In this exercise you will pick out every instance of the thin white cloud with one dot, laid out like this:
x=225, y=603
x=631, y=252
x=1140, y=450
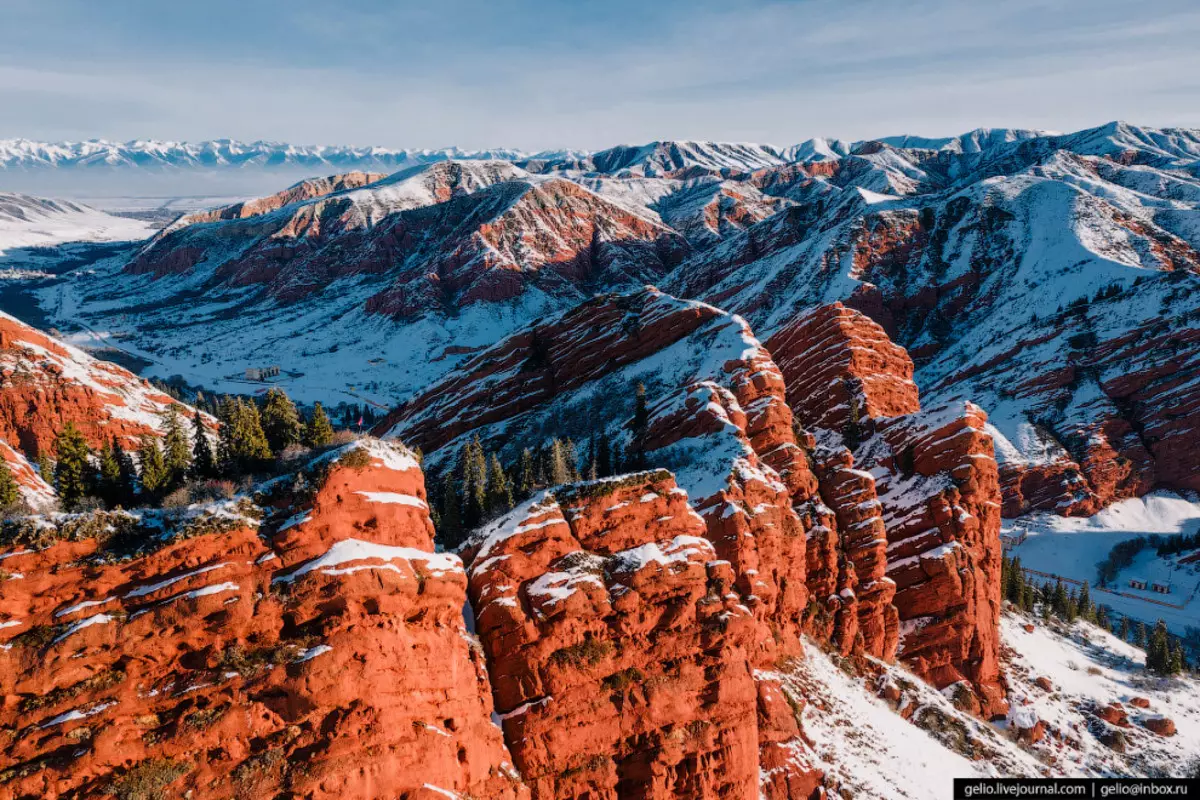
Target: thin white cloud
x=778, y=72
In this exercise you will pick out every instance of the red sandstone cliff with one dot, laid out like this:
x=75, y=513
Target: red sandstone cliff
x=926, y=485
x=44, y=384
x=622, y=656
x=322, y=653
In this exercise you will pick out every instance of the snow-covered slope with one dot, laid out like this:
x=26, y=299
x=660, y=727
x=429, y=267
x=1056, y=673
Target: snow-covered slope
x=1039, y=292
x=367, y=292
x=27, y=221
x=1033, y=272
x=912, y=745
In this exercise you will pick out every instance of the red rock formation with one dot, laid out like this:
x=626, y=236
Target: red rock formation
x=44, y=384
x=448, y=234
x=866, y=619
x=309, y=189
x=622, y=656
x=36, y=492
x=321, y=656
x=836, y=359
x=1163, y=726
x=939, y=487
x=927, y=480
x=717, y=418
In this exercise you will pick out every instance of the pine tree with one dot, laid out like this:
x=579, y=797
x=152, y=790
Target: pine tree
x=1158, y=650
x=280, y=421
x=1139, y=635
x=127, y=482
x=177, y=452
x=1085, y=604
x=571, y=455
x=109, y=487
x=639, y=429
x=74, y=477
x=204, y=463
x=45, y=467
x=558, y=470
x=618, y=459
x=1027, y=598
x=1059, y=603
x=154, y=474
x=243, y=446
x=10, y=492
x=499, y=490
x=1072, y=607
x=1102, y=617
x=451, y=512
x=1177, y=663
x=1123, y=629
x=317, y=431
x=604, y=464
x=473, y=465
x=525, y=471
x=591, y=468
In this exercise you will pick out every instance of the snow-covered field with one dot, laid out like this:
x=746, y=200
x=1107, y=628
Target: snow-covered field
x=1073, y=546
x=36, y=222
x=866, y=746
x=1088, y=666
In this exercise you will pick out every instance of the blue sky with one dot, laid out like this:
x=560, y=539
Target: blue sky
x=537, y=74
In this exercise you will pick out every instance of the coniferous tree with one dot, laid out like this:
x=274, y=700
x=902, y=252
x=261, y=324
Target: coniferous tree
x=74, y=477
x=109, y=487
x=127, y=481
x=45, y=467
x=204, y=462
x=280, y=421
x=154, y=474
x=318, y=432
x=243, y=446
x=1102, y=617
x=1027, y=598
x=525, y=472
x=639, y=428
x=10, y=492
x=604, y=465
x=1139, y=635
x=1158, y=650
x=1059, y=602
x=558, y=470
x=591, y=469
x=618, y=459
x=1086, y=610
x=499, y=490
x=572, y=458
x=451, y=512
x=1177, y=662
x=177, y=452
x=1123, y=629
x=473, y=464
x=541, y=474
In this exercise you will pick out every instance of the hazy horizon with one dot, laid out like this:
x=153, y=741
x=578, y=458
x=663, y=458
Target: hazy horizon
x=532, y=75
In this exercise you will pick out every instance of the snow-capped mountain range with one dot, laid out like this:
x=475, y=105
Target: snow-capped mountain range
x=998, y=259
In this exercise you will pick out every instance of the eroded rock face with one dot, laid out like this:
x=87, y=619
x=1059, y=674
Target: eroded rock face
x=304, y=190
x=918, y=501
x=323, y=654
x=835, y=358
x=717, y=414
x=44, y=384
x=35, y=492
x=444, y=236
x=623, y=657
